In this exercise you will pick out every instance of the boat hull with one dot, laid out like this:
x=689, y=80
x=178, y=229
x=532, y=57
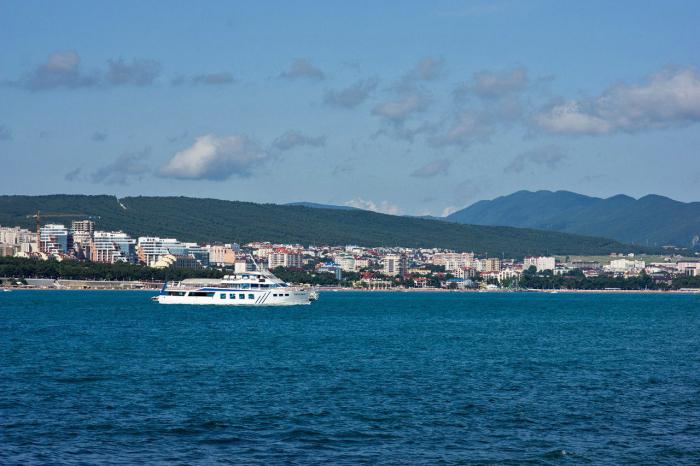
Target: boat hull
x=230, y=297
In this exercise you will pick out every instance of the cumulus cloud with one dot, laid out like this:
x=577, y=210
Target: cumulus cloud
x=127, y=166
x=61, y=70
x=292, y=139
x=5, y=134
x=137, y=72
x=216, y=158
x=383, y=207
x=351, y=96
x=431, y=169
x=303, y=68
x=550, y=157
x=667, y=98
x=398, y=110
x=98, y=136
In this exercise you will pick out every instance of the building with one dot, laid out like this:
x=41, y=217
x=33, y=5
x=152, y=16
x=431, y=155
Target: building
x=151, y=248
x=16, y=239
x=541, y=263
x=453, y=260
x=347, y=263
x=284, y=258
x=625, y=266
x=82, y=231
x=112, y=246
x=55, y=239
x=491, y=264
x=222, y=255
x=395, y=264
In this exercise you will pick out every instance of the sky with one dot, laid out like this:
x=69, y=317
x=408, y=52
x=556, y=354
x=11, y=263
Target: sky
x=417, y=108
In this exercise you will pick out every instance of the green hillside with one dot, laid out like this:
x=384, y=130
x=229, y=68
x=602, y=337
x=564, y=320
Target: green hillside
x=209, y=220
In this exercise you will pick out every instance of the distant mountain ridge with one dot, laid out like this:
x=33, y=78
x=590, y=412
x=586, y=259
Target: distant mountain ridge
x=212, y=220
x=651, y=220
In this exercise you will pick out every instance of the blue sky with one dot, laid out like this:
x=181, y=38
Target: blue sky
x=402, y=107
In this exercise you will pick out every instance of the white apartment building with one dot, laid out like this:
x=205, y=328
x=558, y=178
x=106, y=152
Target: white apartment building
x=284, y=259
x=151, y=248
x=112, y=246
x=541, y=263
x=625, y=265
x=222, y=255
x=55, y=239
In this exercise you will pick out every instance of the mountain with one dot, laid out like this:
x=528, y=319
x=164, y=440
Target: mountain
x=650, y=221
x=209, y=220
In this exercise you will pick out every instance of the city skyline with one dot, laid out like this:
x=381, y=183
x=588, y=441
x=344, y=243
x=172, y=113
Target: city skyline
x=401, y=108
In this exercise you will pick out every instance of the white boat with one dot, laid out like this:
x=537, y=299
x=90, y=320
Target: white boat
x=258, y=288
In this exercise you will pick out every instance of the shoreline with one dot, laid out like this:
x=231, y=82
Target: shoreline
x=116, y=287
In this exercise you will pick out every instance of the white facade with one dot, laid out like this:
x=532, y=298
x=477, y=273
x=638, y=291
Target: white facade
x=111, y=247
x=284, y=259
x=625, y=265
x=151, y=248
x=453, y=260
x=55, y=239
x=541, y=263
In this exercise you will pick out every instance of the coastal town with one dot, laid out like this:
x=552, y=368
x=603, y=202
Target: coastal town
x=349, y=266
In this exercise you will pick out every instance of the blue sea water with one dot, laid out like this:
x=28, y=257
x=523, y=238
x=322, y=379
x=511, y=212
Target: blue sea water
x=355, y=378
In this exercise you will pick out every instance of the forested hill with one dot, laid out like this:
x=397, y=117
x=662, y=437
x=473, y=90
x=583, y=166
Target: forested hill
x=210, y=220
x=650, y=221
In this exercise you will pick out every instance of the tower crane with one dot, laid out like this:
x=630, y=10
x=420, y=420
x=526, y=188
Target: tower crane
x=38, y=216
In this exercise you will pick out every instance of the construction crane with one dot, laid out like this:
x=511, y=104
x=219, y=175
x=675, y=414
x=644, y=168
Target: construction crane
x=39, y=215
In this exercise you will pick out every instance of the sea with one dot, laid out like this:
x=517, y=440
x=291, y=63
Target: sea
x=102, y=377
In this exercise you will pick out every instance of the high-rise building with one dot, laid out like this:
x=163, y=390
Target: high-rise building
x=55, y=239
x=112, y=246
x=395, y=264
x=222, y=255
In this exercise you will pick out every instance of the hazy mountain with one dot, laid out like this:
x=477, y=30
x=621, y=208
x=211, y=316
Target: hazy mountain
x=651, y=220
x=208, y=220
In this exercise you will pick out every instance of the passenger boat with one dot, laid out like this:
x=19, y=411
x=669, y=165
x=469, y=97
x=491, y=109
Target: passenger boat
x=255, y=288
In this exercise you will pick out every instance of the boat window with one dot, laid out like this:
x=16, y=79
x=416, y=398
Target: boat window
x=264, y=286
x=251, y=296
x=245, y=276
x=222, y=296
x=286, y=294
x=241, y=296
x=254, y=285
x=232, y=296
x=176, y=293
x=245, y=286
x=201, y=294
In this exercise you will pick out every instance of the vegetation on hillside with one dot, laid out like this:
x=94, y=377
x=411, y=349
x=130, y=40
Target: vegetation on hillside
x=211, y=220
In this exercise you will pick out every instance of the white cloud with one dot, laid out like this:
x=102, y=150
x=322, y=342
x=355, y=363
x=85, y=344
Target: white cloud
x=61, y=70
x=427, y=69
x=216, y=158
x=383, y=207
x=667, y=98
x=467, y=128
x=127, y=166
x=398, y=110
